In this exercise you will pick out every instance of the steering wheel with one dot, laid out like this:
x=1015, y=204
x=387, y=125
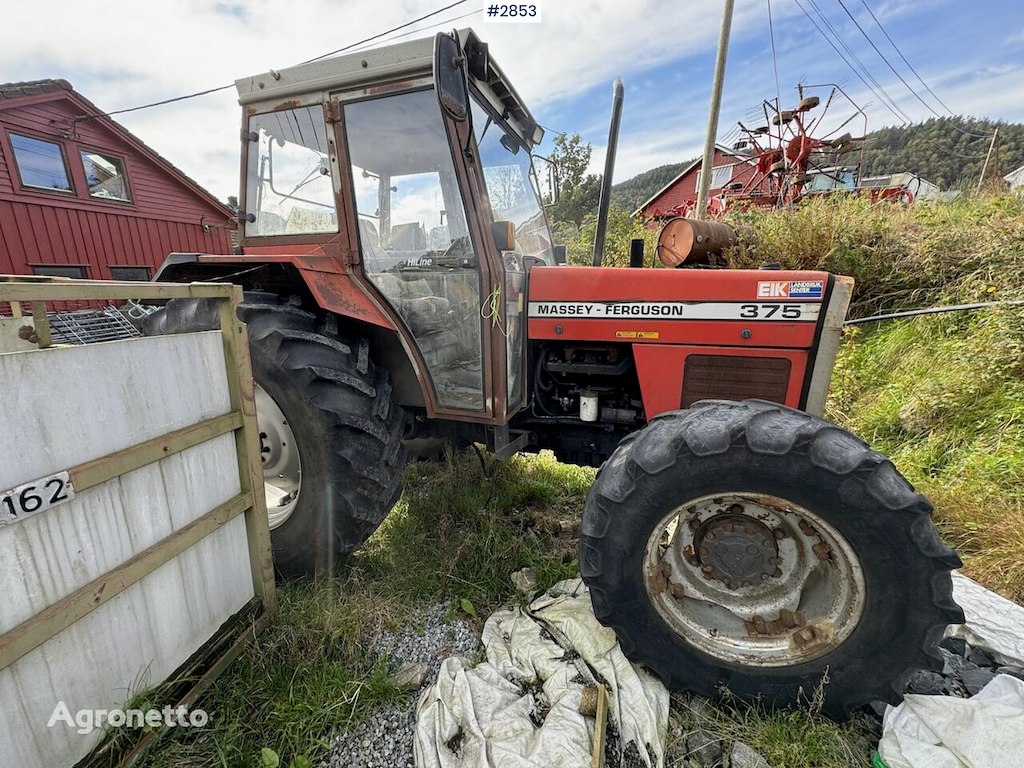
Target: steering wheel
x=460, y=248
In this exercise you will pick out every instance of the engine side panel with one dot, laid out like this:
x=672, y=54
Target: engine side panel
x=694, y=334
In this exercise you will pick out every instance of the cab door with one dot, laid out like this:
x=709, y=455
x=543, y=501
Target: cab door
x=421, y=246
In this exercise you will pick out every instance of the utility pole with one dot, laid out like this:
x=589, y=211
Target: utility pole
x=981, y=179
x=716, y=105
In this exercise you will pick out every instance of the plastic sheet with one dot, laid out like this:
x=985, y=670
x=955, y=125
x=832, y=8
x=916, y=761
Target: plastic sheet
x=519, y=708
x=990, y=621
x=985, y=731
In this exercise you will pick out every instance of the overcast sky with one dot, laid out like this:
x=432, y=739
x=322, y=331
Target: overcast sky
x=122, y=53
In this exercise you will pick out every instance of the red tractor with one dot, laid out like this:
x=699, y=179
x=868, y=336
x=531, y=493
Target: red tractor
x=403, y=289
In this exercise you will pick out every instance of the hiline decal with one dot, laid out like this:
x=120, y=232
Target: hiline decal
x=791, y=289
x=675, y=310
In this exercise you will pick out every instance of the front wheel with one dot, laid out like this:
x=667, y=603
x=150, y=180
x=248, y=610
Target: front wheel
x=755, y=548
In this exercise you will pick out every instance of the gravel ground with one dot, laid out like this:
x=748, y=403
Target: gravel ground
x=384, y=739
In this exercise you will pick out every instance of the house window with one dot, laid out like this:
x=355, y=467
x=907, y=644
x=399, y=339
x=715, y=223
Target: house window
x=40, y=163
x=59, y=270
x=140, y=274
x=720, y=176
x=105, y=175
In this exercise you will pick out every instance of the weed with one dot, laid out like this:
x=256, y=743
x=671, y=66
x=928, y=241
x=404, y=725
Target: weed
x=797, y=737
x=308, y=676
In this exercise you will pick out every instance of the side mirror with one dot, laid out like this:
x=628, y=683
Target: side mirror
x=504, y=235
x=558, y=252
x=450, y=77
x=553, y=191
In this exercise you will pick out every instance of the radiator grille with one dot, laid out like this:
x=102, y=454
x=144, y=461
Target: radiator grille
x=723, y=377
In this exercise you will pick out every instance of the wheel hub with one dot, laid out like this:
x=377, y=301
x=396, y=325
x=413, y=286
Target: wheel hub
x=736, y=550
x=279, y=453
x=754, y=579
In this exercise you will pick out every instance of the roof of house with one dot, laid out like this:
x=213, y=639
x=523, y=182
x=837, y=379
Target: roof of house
x=30, y=88
x=682, y=173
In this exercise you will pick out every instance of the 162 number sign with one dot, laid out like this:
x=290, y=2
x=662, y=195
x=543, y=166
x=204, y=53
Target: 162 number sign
x=31, y=498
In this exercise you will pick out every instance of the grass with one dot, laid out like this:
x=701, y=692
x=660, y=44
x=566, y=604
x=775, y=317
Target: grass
x=454, y=537
x=800, y=737
x=942, y=395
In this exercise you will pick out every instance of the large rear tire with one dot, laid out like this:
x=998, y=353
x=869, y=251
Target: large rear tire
x=752, y=547
x=330, y=434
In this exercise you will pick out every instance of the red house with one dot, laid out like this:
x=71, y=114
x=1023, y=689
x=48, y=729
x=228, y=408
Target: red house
x=728, y=167
x=82, y=197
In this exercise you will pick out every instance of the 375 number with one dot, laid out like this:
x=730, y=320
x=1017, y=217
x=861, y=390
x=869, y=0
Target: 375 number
x=767, y=311
x=28, y=499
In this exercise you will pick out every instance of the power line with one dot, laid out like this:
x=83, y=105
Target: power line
x=847, y=61
x=162, y=102
x=919, y=78
x=881, y=92
x=388, y=32
x=435, y=24
x=887, y=62
x=158, y=103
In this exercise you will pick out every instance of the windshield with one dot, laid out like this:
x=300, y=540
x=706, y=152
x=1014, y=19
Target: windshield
x=511, y=184
x=288, y=187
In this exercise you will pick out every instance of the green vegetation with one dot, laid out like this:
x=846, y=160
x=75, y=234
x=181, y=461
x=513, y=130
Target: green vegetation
x=455, y=537
x=579, y=240
x=942, y=395
x=948, y=151
x=798, y=737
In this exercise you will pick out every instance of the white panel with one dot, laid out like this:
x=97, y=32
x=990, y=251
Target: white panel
x=47, y=557
x=63, y=406
x=131, y=643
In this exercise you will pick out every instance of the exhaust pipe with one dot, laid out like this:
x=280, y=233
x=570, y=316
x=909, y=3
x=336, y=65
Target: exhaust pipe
x=609, y=168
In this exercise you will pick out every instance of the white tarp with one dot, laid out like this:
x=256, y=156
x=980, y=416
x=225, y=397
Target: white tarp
x=990, y=621
x=985, y=731
x=519, y=708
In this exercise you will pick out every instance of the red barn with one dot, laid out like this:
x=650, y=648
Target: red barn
x=728, y=167
x=80, y=196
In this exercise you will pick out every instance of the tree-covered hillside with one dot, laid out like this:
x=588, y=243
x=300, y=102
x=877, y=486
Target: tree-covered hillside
x=947, y=151
x=632, y=192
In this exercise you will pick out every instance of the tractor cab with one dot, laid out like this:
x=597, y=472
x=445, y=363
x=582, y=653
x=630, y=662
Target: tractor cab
x=407, y=171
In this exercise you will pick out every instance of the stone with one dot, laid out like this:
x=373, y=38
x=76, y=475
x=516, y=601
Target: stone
x=410, y=675
x=955, y=645
x=704, y=748
x=525, y=580
x=952, y=663
x=976, y=679
x=926, y=682
x=981, y=657
x=743, y=756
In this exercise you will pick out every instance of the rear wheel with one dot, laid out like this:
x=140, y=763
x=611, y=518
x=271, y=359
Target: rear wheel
x=330, y=437
x=755, y=547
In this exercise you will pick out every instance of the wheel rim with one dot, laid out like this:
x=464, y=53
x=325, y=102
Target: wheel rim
x=279, y=453
x=753, y=579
